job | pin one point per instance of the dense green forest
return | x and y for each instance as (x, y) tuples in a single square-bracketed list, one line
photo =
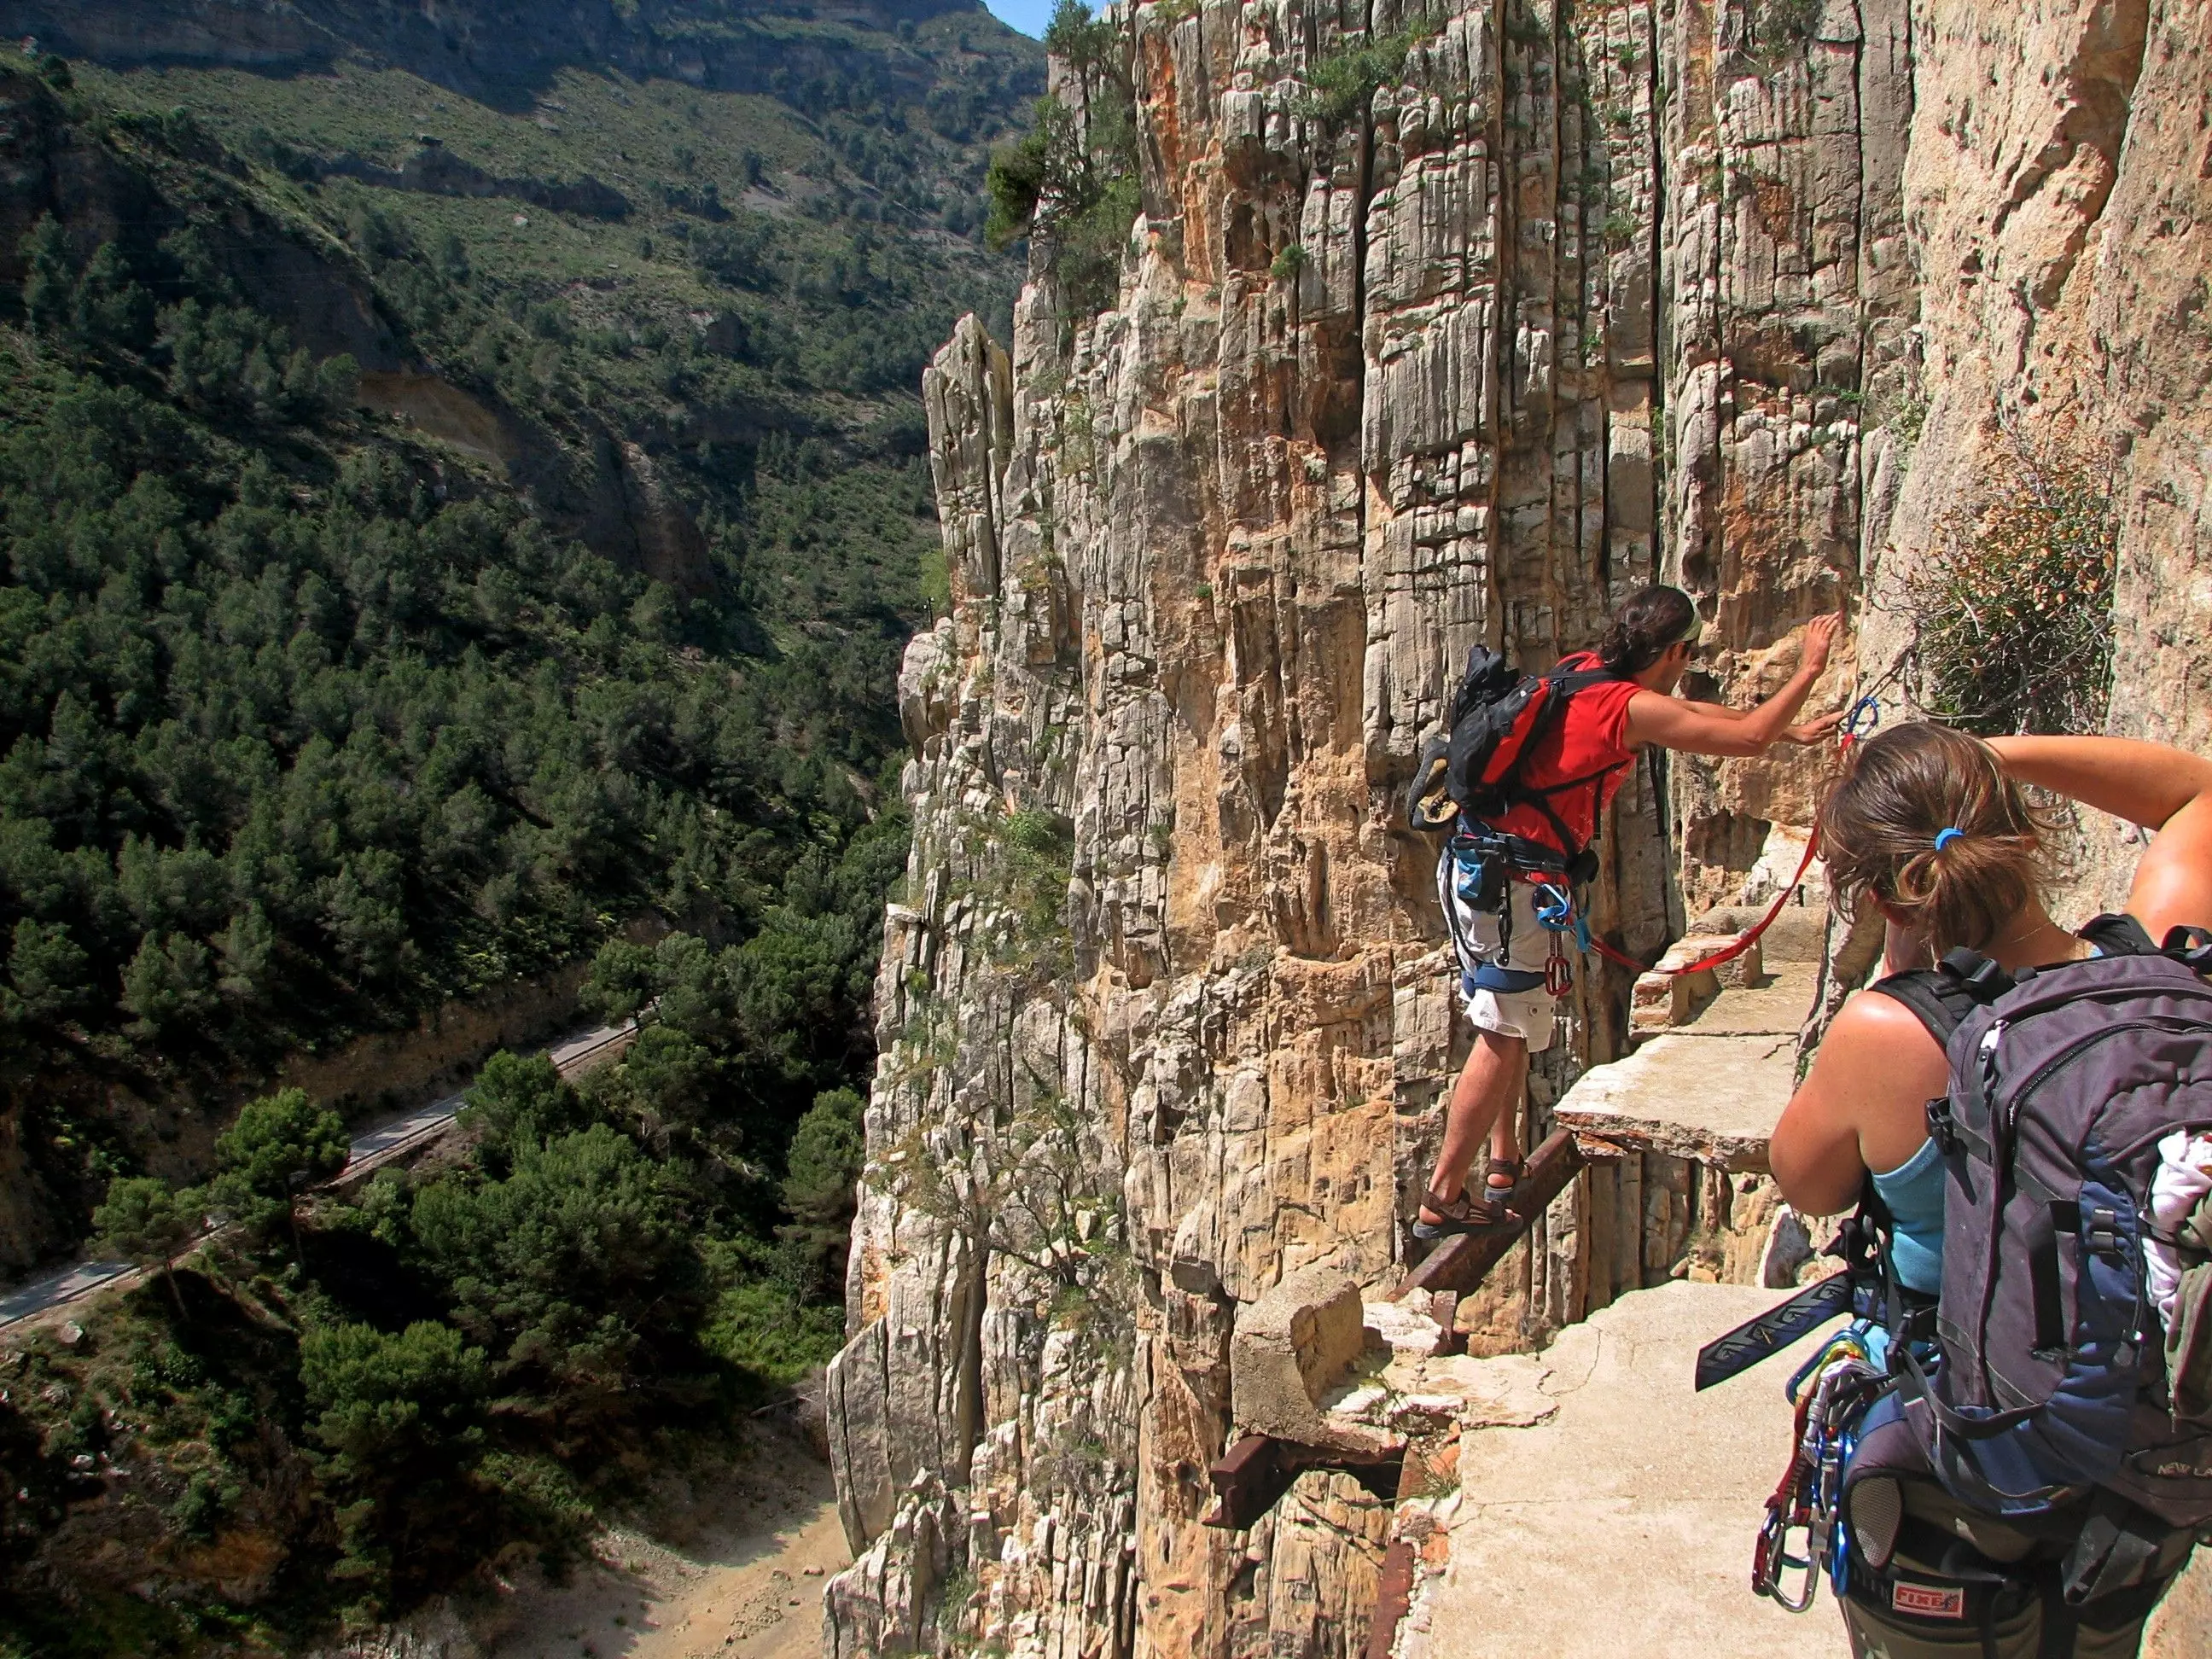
[(318, 707)]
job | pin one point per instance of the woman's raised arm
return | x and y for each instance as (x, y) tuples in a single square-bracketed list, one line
[(2152, 784)]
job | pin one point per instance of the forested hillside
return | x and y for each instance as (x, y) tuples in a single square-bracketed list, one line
[(455, 523)]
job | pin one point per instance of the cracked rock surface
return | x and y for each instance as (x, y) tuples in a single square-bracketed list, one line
[(1587, 298)]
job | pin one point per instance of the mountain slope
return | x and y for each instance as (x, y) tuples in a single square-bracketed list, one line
[(448, 533), (680, 327)]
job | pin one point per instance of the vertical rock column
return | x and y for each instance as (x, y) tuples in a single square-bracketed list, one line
[(1766, 192), (1167, 1010)]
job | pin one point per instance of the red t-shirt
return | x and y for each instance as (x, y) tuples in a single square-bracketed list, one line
[(1595, 732)]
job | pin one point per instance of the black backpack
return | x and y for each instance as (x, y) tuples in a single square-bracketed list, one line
[(2051, 1382), (1471, 767)]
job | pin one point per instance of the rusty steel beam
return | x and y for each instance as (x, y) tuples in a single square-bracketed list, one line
[(1460, 1262), (1393, 1598), (1247, 1481), (1252, 1475)]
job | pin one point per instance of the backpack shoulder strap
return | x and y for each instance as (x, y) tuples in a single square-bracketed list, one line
[(1938, 997), (1943, 996), (2117, 933), (1566, 682)]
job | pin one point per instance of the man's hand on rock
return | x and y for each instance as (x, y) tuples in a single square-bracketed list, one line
[(1809, 732)]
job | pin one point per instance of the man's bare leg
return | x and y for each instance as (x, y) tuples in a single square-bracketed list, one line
[(1484, 1104)]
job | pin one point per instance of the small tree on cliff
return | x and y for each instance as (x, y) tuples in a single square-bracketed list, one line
[(148, 1224), (1071, 183)]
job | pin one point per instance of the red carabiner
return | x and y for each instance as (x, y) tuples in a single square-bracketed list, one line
[(1560, 970)]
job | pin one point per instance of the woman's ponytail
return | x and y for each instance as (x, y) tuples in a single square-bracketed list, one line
[(1925, 821), (1648, 622)]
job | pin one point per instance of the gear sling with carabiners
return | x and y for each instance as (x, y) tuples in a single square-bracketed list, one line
[(1841, 1513)]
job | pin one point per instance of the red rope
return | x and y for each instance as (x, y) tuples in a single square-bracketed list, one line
[(1730, 951)]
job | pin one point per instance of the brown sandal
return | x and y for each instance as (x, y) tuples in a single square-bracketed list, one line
[(1461, 1215)]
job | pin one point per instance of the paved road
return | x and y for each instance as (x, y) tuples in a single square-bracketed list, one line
[(405, 1134), (407, 1131)]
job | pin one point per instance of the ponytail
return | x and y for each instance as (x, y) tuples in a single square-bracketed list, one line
[(1925, 821), (1648, 621)]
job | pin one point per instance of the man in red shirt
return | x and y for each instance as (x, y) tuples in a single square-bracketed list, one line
[(1574, 769)]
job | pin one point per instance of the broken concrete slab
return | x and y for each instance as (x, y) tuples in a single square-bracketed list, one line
[(1713, 1099), (1288, 1349), (1776, 1006), (1620, 1520), (1404, 1329)]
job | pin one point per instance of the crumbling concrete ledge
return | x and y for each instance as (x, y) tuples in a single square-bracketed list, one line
[(1289, 1349), (1713, 1099)]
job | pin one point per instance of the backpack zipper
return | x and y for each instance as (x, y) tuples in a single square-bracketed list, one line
[(2067, 1055)]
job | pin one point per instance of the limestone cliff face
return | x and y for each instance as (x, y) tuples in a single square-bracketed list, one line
[(1729, 295)]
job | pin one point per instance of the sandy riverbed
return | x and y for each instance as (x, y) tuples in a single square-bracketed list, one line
[(724, 1563)]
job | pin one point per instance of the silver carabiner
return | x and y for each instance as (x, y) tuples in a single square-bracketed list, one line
[(1810, 1584)]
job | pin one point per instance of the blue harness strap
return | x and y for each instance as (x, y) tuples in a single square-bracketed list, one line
[(1492, 978)]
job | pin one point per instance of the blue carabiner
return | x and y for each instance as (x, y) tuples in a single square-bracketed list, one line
[(1558, 914), (1839, 1548), (1864, 718)]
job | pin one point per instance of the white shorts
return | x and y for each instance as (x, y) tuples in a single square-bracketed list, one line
[(1531, 1015)]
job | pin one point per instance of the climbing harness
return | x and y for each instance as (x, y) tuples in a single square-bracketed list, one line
[(1558, 912), (1486, 862)]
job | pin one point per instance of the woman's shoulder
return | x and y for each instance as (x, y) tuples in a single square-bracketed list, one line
[(1883, 1043), (1874, 1016)]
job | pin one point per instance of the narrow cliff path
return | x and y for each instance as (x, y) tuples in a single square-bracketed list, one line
[(726, 1563), (1592, 1466)]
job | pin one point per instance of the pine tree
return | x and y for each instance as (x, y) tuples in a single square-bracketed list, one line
[(149, 1224)]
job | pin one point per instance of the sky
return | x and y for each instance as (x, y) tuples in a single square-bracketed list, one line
[(1030, 16)]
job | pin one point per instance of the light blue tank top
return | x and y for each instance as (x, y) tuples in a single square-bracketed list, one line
[(1914, 1193)]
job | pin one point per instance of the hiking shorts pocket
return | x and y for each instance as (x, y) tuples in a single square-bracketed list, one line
[(1531, 1015)]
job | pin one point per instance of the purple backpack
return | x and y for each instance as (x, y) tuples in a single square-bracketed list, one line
[(2051, 1384)]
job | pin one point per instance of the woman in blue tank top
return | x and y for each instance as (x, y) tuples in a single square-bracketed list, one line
[(1931, 828)]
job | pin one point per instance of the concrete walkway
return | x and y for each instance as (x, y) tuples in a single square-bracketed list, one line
[(1621, 1523)]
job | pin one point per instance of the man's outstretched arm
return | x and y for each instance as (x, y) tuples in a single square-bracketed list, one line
[(1701, 729)]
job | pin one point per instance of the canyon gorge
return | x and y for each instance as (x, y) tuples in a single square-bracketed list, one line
[(1768, 298)]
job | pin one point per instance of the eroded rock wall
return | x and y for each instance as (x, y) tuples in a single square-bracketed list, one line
[(1587, 298)]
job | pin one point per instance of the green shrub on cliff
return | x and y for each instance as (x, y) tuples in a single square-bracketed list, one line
[(2012, 608), (1069, 184), (1343, 80)]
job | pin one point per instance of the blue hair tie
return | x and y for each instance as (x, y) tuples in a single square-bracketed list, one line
[(1945, 837)]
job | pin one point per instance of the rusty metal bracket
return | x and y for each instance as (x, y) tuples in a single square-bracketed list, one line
[(1393, 1598), (1252, 1475), (1460, 1262)]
